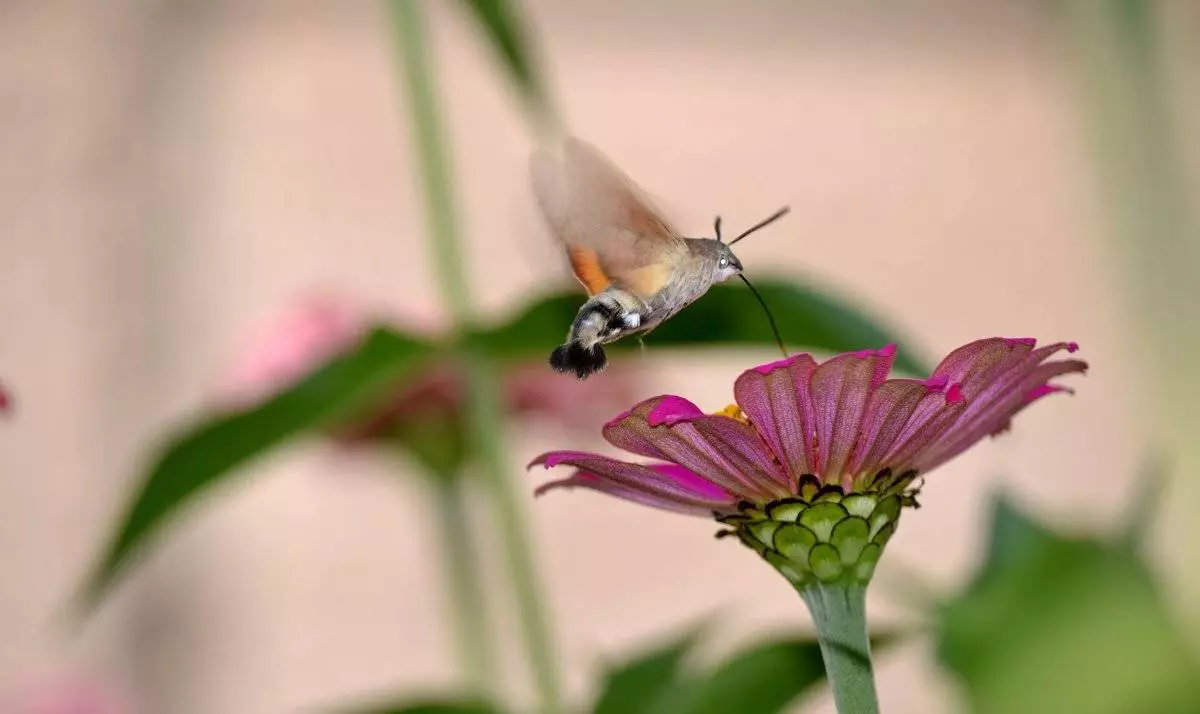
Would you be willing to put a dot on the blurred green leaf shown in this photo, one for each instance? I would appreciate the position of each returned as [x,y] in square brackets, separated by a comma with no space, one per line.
[761,680]
[727,315]
[1059,624]
[208,453]
[502,26]
[428,707]
[634,687]
[437,442]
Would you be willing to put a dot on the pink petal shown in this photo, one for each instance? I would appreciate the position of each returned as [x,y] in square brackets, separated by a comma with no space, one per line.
[974,363]
[743,451]
[775,398]
[840,389]
[671,409]
[661,485]
[889,411]
[992,411]
[934,415]
[722,450]
[582,479]
[313,331]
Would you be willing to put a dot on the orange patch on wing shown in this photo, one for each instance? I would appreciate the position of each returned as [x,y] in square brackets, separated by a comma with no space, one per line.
[648,279]
[585,263]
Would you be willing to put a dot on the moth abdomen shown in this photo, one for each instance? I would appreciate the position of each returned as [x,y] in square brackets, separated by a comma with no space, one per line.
[575,357]
[604,318]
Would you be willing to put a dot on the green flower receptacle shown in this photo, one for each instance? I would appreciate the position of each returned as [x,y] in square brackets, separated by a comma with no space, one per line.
[824,535]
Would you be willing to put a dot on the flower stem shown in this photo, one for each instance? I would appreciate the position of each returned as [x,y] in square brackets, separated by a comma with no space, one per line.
[840,614]
[483,404]
[484,408]
[463,585]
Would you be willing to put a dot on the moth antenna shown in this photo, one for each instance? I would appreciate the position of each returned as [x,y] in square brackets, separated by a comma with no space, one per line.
[717,228]
[770,317]
[763,223]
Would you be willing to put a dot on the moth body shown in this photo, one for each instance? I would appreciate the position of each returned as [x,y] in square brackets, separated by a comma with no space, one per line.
[637,269]
[617,312]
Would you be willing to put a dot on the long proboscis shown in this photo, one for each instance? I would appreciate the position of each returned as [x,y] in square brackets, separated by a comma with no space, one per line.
[770,318]
[763,223]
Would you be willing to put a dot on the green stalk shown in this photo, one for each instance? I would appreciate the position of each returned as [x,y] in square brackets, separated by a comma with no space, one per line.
[464,587]
[484,413]
[1128,69]
[840,615]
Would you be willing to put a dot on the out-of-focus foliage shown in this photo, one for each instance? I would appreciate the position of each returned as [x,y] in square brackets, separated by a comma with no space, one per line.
[635,686]
[727,315]
[501,25]
[762,679]
[449,706]
[1059,624]
[209,453]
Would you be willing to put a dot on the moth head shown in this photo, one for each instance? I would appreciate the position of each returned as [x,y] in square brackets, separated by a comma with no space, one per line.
[727,264]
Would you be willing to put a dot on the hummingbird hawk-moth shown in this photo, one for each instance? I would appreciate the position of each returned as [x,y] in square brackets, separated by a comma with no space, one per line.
[637,269]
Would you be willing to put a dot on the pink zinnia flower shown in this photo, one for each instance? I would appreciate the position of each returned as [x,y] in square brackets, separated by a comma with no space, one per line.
[812,465]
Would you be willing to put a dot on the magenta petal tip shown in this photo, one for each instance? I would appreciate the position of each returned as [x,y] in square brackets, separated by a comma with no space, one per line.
[1027,341]
[770,367]
[672,410]
[954,394]
[936,384]
[617,419]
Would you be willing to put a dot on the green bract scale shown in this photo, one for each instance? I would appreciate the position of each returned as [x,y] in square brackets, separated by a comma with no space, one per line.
[825,535]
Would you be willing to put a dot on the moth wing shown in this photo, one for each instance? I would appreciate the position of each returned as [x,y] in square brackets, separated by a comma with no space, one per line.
[612,234]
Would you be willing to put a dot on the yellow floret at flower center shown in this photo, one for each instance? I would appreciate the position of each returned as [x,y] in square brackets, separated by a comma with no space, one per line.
[733,411]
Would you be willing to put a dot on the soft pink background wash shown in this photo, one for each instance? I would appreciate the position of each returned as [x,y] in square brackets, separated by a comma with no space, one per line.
[171,173]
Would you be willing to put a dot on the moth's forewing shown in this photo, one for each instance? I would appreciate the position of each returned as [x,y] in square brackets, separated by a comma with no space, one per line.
[611,232]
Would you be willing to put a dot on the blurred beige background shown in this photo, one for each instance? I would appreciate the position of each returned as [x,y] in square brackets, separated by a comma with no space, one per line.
[174,173]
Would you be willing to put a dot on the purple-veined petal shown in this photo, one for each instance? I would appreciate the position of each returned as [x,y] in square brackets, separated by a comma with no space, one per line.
[583,479]
[840,389]
[775,398]
[935,414]
[888,412]
[994,380]
[742,448]
[659,483]
[991,412]
[704,448]
[976,363]
[670,409]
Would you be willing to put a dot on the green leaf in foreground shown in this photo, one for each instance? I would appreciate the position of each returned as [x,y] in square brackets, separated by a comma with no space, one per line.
[208,453]
[1060,624]
[428,707]
[761,680]
[727,315]
[636,686]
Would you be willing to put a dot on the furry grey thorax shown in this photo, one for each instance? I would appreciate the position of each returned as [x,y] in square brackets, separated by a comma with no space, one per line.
[617,313]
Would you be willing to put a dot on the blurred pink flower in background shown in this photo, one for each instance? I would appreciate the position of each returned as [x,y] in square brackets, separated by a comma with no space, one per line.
[317,329]
[6,402]
[68,693]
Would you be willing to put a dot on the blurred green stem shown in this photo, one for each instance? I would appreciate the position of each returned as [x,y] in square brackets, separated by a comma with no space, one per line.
[484,410]
[840,615]
[1129,67]
[464,586]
